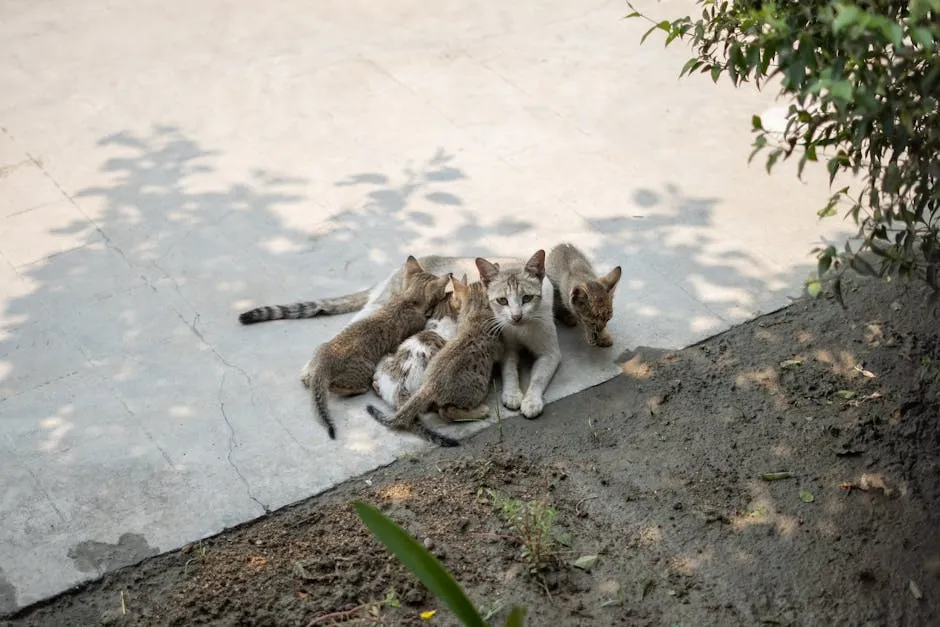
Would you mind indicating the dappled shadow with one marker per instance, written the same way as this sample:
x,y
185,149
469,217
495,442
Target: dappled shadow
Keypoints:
x,y
132,400
796,453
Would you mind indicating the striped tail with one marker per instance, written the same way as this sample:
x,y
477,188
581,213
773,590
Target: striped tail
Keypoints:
x,y
415,425
319,391
308,309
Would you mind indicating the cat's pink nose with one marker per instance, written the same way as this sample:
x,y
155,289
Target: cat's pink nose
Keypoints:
x,y
516,317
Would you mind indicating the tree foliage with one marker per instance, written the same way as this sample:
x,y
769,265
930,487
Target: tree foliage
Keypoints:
x,y
864,79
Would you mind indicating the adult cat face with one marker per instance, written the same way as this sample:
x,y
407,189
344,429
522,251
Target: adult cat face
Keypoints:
x,y
515,295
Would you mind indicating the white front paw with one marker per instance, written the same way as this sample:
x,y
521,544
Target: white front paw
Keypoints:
x,y
512,399
532,406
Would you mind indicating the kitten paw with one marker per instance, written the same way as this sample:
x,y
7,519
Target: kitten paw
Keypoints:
x,y
512,399
532,406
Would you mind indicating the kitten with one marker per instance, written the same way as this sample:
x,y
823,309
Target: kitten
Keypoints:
x,y
458,377
345,364
582,297
521,298
399,375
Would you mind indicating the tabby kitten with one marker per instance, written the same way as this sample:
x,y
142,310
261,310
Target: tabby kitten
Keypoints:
x,y
345,364
399,375
458,377
582,297
521,300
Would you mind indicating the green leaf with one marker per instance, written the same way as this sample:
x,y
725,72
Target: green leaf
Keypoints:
x,y
516,617
806,496
663,26
833,167
837,291
586,562
846,394
634,14
893,32
716,72
842,90
689,66
419,561
922,36
891,183
847,15
756,123
813,288
823,266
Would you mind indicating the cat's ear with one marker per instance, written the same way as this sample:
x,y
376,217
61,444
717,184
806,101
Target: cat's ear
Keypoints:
x,y
578,294
460,287
488,271
609,281
412,266
536,265
441,284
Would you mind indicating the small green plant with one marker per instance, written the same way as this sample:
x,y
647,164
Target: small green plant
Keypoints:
x,y
428,569
199,553
534,522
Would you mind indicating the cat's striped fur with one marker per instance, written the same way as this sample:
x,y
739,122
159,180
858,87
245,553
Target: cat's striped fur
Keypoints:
x,y
345,364
458,377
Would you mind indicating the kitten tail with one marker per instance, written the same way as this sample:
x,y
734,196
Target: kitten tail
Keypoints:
x,y
319,391
408,416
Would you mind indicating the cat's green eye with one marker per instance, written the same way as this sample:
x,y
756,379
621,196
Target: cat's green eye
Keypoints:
x,y
502,301
527,298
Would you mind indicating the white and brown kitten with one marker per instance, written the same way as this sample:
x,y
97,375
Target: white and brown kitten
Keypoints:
x,y
458,377
582,297
400,374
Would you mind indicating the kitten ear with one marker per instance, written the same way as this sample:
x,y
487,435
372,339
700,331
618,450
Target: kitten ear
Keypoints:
x,y
610,280
578,294
442,283
460,287
412,266
488,271
536,265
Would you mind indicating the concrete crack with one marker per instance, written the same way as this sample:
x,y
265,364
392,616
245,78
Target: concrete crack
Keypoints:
x,y
148,433
231,448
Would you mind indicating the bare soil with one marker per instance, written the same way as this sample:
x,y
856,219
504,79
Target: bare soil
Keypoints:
x,y
660,473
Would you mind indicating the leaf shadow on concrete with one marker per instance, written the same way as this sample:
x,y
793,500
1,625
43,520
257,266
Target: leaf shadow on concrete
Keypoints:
x,y
129,383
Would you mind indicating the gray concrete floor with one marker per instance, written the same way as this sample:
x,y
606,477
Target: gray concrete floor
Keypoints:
x,y
167,164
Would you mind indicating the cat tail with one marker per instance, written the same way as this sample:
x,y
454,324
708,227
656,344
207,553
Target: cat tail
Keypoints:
x,y
319,392
308,309
408,417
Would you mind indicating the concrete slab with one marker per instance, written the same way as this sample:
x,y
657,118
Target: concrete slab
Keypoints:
x,y
164,166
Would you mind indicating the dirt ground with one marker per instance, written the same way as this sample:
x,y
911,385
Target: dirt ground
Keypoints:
x,y
660,474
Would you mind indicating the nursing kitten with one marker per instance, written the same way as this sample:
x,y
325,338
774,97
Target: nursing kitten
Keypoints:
x,y
399,375
521,298
458,377
345,364
582,297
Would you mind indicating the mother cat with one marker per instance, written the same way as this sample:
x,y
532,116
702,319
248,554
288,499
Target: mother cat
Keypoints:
x,y
521,297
